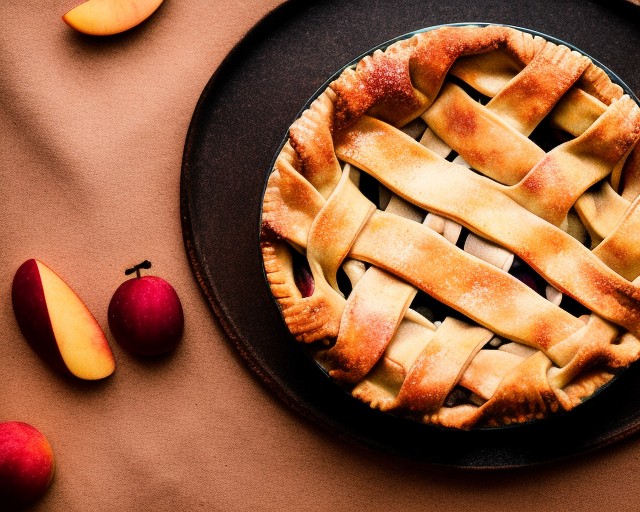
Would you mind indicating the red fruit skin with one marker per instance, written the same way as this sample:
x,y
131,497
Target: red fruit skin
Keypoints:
x,y
26,464
145,316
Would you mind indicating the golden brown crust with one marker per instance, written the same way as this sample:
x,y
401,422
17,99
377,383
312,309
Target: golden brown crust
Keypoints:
x,y
437,185
519,198
486,141
310,139
374,309
440,365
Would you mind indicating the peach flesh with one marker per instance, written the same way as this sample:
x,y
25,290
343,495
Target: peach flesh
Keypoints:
x,y
108,17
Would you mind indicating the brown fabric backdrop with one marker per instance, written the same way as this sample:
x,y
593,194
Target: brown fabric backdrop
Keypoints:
x,y
91,141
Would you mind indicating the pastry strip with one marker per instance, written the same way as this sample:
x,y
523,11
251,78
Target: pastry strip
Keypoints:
x,y
576,111
486,371
600,210
551,188
487,73
524,394
478,203
335,227
375,308
481,137
479,290
595,341
381,386
620,250
630,179
371,317
440,365
532,93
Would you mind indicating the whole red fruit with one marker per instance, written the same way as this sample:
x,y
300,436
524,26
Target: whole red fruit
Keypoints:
x,y
145,316
26,464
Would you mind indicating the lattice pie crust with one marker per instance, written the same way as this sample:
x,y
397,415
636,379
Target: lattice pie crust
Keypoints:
x,y
453,228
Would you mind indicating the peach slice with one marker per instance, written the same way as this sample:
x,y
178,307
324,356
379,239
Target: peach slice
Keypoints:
x,y
57,324
108,17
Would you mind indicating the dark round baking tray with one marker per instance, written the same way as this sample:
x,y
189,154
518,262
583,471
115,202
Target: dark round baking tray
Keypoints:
x,y
238,126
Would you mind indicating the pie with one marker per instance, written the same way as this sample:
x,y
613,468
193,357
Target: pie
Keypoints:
x,y
452,228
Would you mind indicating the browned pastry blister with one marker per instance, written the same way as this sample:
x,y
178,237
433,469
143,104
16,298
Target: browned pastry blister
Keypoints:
x,y
453,230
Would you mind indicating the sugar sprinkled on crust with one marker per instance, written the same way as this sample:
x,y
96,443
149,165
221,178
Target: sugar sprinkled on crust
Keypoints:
x,y
366,334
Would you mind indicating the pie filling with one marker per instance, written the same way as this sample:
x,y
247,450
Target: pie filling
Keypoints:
x,y
452,228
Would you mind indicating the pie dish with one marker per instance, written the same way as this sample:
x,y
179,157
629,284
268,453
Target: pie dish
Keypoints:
x,y
451,228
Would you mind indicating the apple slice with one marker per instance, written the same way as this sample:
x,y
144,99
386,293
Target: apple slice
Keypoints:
x,y
58,325
108,17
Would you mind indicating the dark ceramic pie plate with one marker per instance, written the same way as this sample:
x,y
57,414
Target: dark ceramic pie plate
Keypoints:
x,y
236,131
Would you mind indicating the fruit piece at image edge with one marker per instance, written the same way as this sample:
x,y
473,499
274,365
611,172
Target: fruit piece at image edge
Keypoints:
x,y
26,465
108,17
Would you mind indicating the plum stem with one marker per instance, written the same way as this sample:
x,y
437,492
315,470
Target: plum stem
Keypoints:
x,y
136,268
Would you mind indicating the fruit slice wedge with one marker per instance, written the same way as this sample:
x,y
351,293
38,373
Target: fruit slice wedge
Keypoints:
x,y
58,325
108,17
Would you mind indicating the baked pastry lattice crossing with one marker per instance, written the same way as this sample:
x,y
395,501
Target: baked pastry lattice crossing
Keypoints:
x,y
453,228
